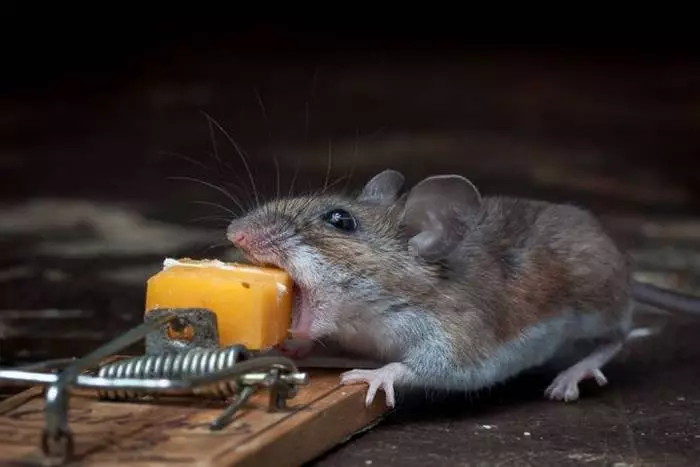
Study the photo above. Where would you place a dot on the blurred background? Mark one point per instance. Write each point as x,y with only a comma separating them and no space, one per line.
120,145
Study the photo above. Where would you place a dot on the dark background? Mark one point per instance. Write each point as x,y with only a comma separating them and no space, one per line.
98,120
622,112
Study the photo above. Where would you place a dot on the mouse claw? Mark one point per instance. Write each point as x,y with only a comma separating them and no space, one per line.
383,377
565,385
374,383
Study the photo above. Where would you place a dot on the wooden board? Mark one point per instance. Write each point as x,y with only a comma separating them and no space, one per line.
321,416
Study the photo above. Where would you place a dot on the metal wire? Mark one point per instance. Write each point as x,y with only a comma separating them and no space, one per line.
54,364
175,366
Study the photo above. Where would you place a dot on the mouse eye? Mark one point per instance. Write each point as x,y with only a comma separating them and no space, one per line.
340,219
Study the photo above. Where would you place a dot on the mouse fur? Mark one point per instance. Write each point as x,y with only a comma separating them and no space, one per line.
451,290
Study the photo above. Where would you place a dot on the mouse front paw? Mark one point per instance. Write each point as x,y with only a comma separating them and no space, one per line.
383,377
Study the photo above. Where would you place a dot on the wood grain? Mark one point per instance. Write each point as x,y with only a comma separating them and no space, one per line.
175,431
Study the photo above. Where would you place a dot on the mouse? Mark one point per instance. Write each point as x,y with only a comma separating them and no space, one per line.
449,289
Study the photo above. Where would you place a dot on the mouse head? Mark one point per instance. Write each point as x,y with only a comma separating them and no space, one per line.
353,255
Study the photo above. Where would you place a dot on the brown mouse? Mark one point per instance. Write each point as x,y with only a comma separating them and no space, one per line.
449,289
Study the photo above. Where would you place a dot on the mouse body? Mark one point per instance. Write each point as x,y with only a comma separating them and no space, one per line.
450,290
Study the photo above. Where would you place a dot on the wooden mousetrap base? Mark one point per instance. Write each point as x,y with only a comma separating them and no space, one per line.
175,431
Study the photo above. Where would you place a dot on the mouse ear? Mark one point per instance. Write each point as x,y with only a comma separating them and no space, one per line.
437,212
383,188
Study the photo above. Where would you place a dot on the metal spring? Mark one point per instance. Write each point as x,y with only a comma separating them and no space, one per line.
175,366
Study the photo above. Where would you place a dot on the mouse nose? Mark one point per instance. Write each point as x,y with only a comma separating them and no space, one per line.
238,238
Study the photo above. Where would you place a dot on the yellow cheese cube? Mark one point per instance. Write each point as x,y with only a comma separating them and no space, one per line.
252,304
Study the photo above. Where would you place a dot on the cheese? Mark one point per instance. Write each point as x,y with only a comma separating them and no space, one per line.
252,304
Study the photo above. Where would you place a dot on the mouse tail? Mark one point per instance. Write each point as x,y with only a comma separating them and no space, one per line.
666,299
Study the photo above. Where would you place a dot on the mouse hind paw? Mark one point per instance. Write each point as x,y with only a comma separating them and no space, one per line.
565,385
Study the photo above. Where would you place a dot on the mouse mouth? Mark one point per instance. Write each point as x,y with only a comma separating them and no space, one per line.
302,316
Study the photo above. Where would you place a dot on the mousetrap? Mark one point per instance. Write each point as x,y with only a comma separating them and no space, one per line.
194,397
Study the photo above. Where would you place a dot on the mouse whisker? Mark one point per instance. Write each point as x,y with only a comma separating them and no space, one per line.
338,180
217,205
204,249
214,153
220,220
277,177
187,159
212,186
240,152
320,342
203,166
238,182
264,112
294,178
328,165
212,138
354,159
307,105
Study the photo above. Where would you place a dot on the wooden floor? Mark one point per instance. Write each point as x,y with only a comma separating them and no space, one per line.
92,204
